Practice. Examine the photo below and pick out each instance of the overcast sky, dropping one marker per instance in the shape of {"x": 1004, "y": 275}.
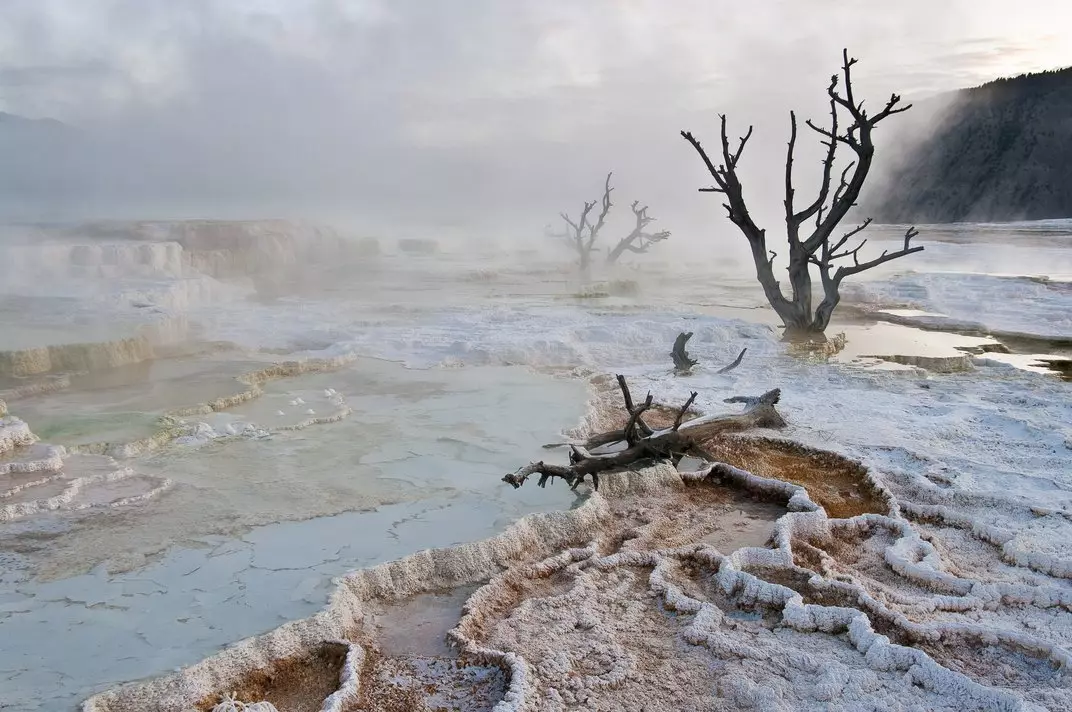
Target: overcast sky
{"x": 473, "y": 111}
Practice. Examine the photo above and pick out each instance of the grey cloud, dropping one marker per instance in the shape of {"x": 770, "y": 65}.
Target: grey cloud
{"x": 483, "y": 113}
{"x": 34, "y": 77}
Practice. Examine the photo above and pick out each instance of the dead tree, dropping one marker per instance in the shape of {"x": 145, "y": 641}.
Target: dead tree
{"x": 582, "y": 235}
{"x": 820, "y": 248}
{"x": 643, "y": 443}
{"x": 638, "y": 240}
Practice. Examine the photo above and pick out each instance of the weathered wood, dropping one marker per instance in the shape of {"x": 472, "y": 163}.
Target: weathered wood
{"x": 682, "y": 438}
{"x": 735, "y": 364}
{"x": 682, "y": 361}
{"x": 631, "y": 431}
{"x": 684, "y": 409}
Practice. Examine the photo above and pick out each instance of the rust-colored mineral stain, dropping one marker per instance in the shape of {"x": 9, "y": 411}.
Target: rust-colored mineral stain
{"x": 838, "y": 484}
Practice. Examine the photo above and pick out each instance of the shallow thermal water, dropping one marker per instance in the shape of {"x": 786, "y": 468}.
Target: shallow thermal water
{"x": 418, "y": 459}
{"x": 468, "y": 367}
{"x": 411, "y": 435}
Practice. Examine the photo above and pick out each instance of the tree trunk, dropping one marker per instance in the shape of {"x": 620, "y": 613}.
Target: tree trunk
{"x": 826, "y": 309}
{"x": 800, "y": 280}
{"x": 795, "y": 315}
{"x": 765, "y": 275}
{"x": 614, "y": 254}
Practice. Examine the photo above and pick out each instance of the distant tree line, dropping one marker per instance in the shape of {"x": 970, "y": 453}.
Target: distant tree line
{"x": 1002, "y": 152}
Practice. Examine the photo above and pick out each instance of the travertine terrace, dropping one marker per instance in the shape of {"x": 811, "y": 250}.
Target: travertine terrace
{"x": 710, "y": 589}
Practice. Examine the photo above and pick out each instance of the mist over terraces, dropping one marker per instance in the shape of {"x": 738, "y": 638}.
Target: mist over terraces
{"x": 999, "y": 152}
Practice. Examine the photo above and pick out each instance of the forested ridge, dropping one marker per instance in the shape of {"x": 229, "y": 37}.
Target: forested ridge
{"x": 999, "y": 152}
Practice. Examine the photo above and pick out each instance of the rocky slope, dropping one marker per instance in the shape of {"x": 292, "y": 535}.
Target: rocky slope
{"x": 998, "y": 152}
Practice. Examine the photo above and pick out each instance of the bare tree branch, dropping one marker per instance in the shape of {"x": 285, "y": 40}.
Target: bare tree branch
{"x": 576, "y": 234}
{"x": 843, "y": 184}
{"x": 715, "y": 172}
{"x": 886, "y": 256}
{"x": 583, "y": 234}
{"x": 891, "y": 109}
{"x": 594, "y": 231}
{"x": 850, "y": 125}
{"x": 684, "y": 409}
{"x": 789, "y": 192}
{"x": 638, "y": 240}
{"x": 845, "y": 238}
{"x": 725, "y": 177}
{"x": 731, "y": 161}
{"x": 828, "y": 162}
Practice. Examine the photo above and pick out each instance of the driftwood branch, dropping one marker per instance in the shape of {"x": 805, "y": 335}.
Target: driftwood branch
{"x": 682, "y": 438}
{"x": 684, "y": 409}
{"x": 631, "y": 432}
{"x": 736, "y": 362}
{"x": 617, "y": 436}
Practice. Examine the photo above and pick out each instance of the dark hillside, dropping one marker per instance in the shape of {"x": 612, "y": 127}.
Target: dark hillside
{"x": 1003, "y": 151}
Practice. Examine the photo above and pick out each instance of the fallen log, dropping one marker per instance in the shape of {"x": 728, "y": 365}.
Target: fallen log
{"x": 682, "y": 438}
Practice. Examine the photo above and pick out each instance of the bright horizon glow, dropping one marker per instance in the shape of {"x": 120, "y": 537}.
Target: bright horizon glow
{"x": 454, "y": 113}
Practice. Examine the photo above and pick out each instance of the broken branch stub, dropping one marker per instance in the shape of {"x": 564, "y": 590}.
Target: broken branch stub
{"x": 736, "y": 362}
{"x": 682, "y": 361}
{"x": 683, "y": 438}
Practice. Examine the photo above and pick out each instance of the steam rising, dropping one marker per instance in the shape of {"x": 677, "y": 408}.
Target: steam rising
{"x": 482, "y": 115}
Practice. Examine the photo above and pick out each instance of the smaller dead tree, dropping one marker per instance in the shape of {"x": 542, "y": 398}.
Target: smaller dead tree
{"x": 642, "y": 443}
{"x": 581, "y": 235}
